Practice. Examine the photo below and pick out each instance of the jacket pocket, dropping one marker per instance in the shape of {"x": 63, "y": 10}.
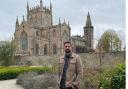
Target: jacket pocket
{"x": 72, "y": 65}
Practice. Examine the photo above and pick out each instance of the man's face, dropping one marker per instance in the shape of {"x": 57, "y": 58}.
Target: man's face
{"x": 67, "y": 48}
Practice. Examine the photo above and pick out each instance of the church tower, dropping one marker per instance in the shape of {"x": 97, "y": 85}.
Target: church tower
{"x": 40, "y": 15}
{"x": 88, "y": 33}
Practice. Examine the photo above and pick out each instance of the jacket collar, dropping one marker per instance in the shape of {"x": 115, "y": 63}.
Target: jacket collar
{"x": 72, "y": 55}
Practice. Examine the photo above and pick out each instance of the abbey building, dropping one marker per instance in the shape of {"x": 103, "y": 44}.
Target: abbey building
{"x": 38, "y": 36}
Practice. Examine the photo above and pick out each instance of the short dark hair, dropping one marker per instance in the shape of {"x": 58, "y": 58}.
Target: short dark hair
{"x": 67, "y": 42}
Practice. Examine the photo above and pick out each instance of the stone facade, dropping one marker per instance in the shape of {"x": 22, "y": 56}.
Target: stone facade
{"x": 38, "y": 36}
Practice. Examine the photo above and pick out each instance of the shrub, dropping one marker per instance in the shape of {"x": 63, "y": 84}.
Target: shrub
{"x": 118, "y": 79}
{"x": 13, "y": 72}
{"x": 114, "y": 79}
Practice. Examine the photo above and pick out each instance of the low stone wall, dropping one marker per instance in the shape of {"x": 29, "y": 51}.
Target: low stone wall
{"x": 37, "y": 60}
{"x": 90, "y": 60}
{"x": 94, "y": 60}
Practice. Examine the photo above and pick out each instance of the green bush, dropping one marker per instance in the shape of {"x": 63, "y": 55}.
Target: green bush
{"x": 13, "y": 72}
{"x": 114, "y": 79}
{"x": 118, "y": 78}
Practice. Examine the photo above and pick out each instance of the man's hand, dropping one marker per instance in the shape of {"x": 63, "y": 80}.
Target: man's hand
{"x": 76, "y": 83}
{"x": 69, "y": 84}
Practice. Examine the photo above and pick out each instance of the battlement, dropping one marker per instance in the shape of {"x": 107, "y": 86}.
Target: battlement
{"x": 37, "y": 9}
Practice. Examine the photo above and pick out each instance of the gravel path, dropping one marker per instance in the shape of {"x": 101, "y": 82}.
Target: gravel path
{"x": 9, "y": 84}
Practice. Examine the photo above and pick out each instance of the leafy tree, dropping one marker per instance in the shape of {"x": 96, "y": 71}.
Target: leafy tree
{"x": 110, "y": 41}
{"x": 6, "y": 53}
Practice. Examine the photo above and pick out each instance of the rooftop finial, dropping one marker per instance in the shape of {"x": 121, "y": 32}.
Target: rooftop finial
{"x": 59, "y": 21}
{"x": 50, "y": 5}
{"x": 17, "y": 24}
{"x": 41, "y": 3}
{"x": 27, "y": 5}
{"x": 23, "y": 19}
{"x": 68, "y": 24}
{"x": 17, "y": 20}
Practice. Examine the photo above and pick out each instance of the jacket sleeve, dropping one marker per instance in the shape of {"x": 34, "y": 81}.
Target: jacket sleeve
{"x": 79, "y": 71}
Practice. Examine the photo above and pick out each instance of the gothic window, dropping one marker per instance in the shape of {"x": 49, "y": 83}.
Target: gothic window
{"x": 42, "y": 33}
{"x": 46, "y": 22}
{"x": 54, "y": 33}
{"x": 45, "y": 49}
{"x": 65, "y": 37}
{"x": 54, "y": 49}
{"x": 24, "y": 41}
{"x": 37, "y": 49}
{"x": 31, "y": 19}
{"x": 37, "y": 33}
{"x": 86, "y": 32}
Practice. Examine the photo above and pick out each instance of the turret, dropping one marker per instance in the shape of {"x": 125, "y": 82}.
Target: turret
{"x": 64, "y": 21}
{"x": 59, "y": 21}
{"x": 17, "y": 24}
{"x": 41, "y": 3}
{"x": 69, "y": 31}
{"x": 23, "y": 19}
{"x": 50, "y": 6}
{"x": 68, "y": 24}
{"x": 51, "y": 13}
{"x": 27, "y": 10}
{"x": 27, "y": 7}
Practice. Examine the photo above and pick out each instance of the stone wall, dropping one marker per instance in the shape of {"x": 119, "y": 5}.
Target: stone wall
{"x": 94, "y": 60}
{"x": 90, "y": 60}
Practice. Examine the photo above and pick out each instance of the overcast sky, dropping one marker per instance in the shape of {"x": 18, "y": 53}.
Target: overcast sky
{"x": 105, "y": 14}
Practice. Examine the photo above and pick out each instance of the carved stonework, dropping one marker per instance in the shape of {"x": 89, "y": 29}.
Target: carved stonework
{"x": 38, "y": 36}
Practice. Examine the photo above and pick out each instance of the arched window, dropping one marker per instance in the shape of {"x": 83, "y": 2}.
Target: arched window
{"x": 65, "y": 37}
{"x": 54, "y": 33}
{"x": 37, "y": 33}
{"x": 54, "y": 49}
{"x": 24, "y": 41}
{"x": 45, "y": 49}
{"x": 37, "y": 49}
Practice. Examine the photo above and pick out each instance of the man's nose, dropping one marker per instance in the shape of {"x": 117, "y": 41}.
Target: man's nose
{"x": 67, "y": 47}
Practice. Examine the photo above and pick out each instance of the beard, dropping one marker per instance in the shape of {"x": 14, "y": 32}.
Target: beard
{"x": 67, "y": 51}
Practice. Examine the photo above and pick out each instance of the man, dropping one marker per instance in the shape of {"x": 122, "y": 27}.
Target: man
{"x": 70, "y": 69}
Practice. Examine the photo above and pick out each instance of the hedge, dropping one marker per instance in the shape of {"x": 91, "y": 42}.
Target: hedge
{"x": 13, "y": 72}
